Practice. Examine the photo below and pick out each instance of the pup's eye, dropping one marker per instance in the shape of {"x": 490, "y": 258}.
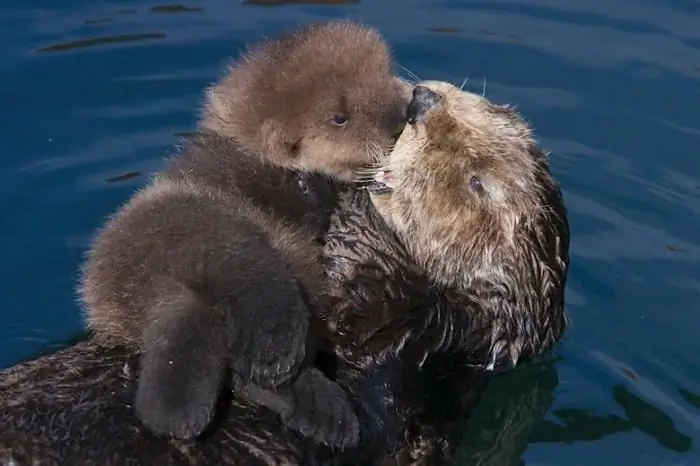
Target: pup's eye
{"x": 475, "y": 184}
{"x": 339, "y": 120}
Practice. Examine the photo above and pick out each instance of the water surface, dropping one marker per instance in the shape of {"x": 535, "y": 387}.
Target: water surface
{"x": 94, "y": 95}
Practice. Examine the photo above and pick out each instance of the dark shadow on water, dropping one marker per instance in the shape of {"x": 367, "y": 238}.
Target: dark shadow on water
{"x": 98, "y": 20}
{"x": 581, "y": 425}
{"x": 160, "y": 9}
{"x": 111, "y": 16}
{"x": 85, "y": 43}
{"x": 446, "y": 29}
{"x": 691, "y": 398}
{"x": 498, "y": 430}
{"x": 651, "y": 420}
{"x": 269, "y": 3}
{"x": 123, "y": 177}
{"x": 511, "y": 415}
{"x": 175, "y": 8}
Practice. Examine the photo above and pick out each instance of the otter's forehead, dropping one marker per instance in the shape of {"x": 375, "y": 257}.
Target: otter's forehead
{"x": 473, "y": 112}
{"x": 305, "y": 94}
{"x": 468, "y": 129}
{"x": 463, "y": 151}
{"x": 344, "y": 48}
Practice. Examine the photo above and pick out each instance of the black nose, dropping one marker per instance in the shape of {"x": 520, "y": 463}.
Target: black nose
{"x": 423, "y": 100}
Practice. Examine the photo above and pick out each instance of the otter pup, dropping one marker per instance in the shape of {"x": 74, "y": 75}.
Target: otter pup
{"x": 212, "y": 268}
{"x": 404, "y": 338}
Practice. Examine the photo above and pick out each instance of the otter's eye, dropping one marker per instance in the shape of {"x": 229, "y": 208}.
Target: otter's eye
{"x": 475, "y": 184}
{"x": 340, "y": 120}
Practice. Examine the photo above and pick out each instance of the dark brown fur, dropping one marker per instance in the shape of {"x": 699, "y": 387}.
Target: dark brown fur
{"x": 416, "y": 352}
{"x": 210, "y": 267}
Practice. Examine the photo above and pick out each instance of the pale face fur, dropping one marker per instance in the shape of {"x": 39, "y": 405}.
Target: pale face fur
{"x": 321, "y": 99}
{"x": 470, "y": 189}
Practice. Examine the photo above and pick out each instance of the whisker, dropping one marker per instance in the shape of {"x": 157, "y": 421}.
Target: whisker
{"x": 411, "y": 74}
{"x": 483, "y": 94}
{"x": 464, "y": 83}
{"x": 376, "y": 168}
{"x": 373, "y": 151}
{"x": 365, "y": 174}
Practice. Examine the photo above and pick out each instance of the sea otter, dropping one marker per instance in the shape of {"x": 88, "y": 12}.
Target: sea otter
{"x": 471, "y": 197}
{"x": 417, "y": 345}
{"x": 212, "y": 268}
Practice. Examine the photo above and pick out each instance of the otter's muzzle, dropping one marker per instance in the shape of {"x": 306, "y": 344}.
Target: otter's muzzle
{"x": 423, "y": 101}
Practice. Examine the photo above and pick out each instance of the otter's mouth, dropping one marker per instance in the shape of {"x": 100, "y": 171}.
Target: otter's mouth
{"x": 383, "y": 183}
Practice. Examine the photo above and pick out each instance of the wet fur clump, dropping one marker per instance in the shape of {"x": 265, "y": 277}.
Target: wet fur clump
{"x": 213, "y": 270}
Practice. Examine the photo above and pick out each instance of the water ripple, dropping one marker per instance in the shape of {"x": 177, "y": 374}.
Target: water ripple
{"x": 646, "y": 388}
{"x": 627, "y": 239}
{"x": 97, "y": 41}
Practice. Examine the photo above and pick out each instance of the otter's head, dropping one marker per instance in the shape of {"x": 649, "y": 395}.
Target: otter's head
{"x": 474, "y": 201}
{"x": 322, "y": 98}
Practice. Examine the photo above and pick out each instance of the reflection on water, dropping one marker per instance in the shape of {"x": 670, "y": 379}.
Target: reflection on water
{"x": 577, "y": 424}
{"x": 499, "y": 429}
{"x": 511, "y": 414}
{"x": 95, "y": 95}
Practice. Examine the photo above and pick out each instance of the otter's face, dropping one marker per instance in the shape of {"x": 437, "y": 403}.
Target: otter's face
{"x": 320, "y": 99}
{"x": 461, "y": 183}
{"x": 340, "y": 124}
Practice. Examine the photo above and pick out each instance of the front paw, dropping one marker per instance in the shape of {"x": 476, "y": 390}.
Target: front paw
{"x": 267, "y": 351}
{"x": 319, "y": 409}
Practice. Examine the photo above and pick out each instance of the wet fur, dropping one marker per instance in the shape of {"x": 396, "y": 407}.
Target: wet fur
{"x": 85, "y": 392}
{"x": 214, "y": 266}
{"x": 506, "y": 246}
{"x": 492, "y": 261}
{"x": 416, "y": 351}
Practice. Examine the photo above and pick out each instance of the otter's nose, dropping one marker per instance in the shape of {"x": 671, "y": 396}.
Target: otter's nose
{"x": 423, "y": 100}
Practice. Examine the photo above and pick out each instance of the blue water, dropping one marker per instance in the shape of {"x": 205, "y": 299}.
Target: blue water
{"x": 93, "y": 95}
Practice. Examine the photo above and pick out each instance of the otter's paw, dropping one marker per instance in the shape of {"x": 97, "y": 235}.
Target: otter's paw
{"x": 319, "y": 409}
{"x": 181, "y": 374}
{"x": 267, "y": 340}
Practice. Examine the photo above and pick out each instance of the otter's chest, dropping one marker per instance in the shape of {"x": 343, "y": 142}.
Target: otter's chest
{"x": 302, "y": 199}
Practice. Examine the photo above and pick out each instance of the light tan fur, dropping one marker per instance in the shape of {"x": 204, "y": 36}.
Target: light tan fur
{"x": 505, "y": 243}
{"x": 455, "y": 233}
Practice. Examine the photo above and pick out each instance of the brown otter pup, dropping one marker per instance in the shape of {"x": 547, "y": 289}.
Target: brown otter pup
{"x": 407, "y": 341}
{"x": 472, "y": 199}
{"x": 212, "y": 268}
